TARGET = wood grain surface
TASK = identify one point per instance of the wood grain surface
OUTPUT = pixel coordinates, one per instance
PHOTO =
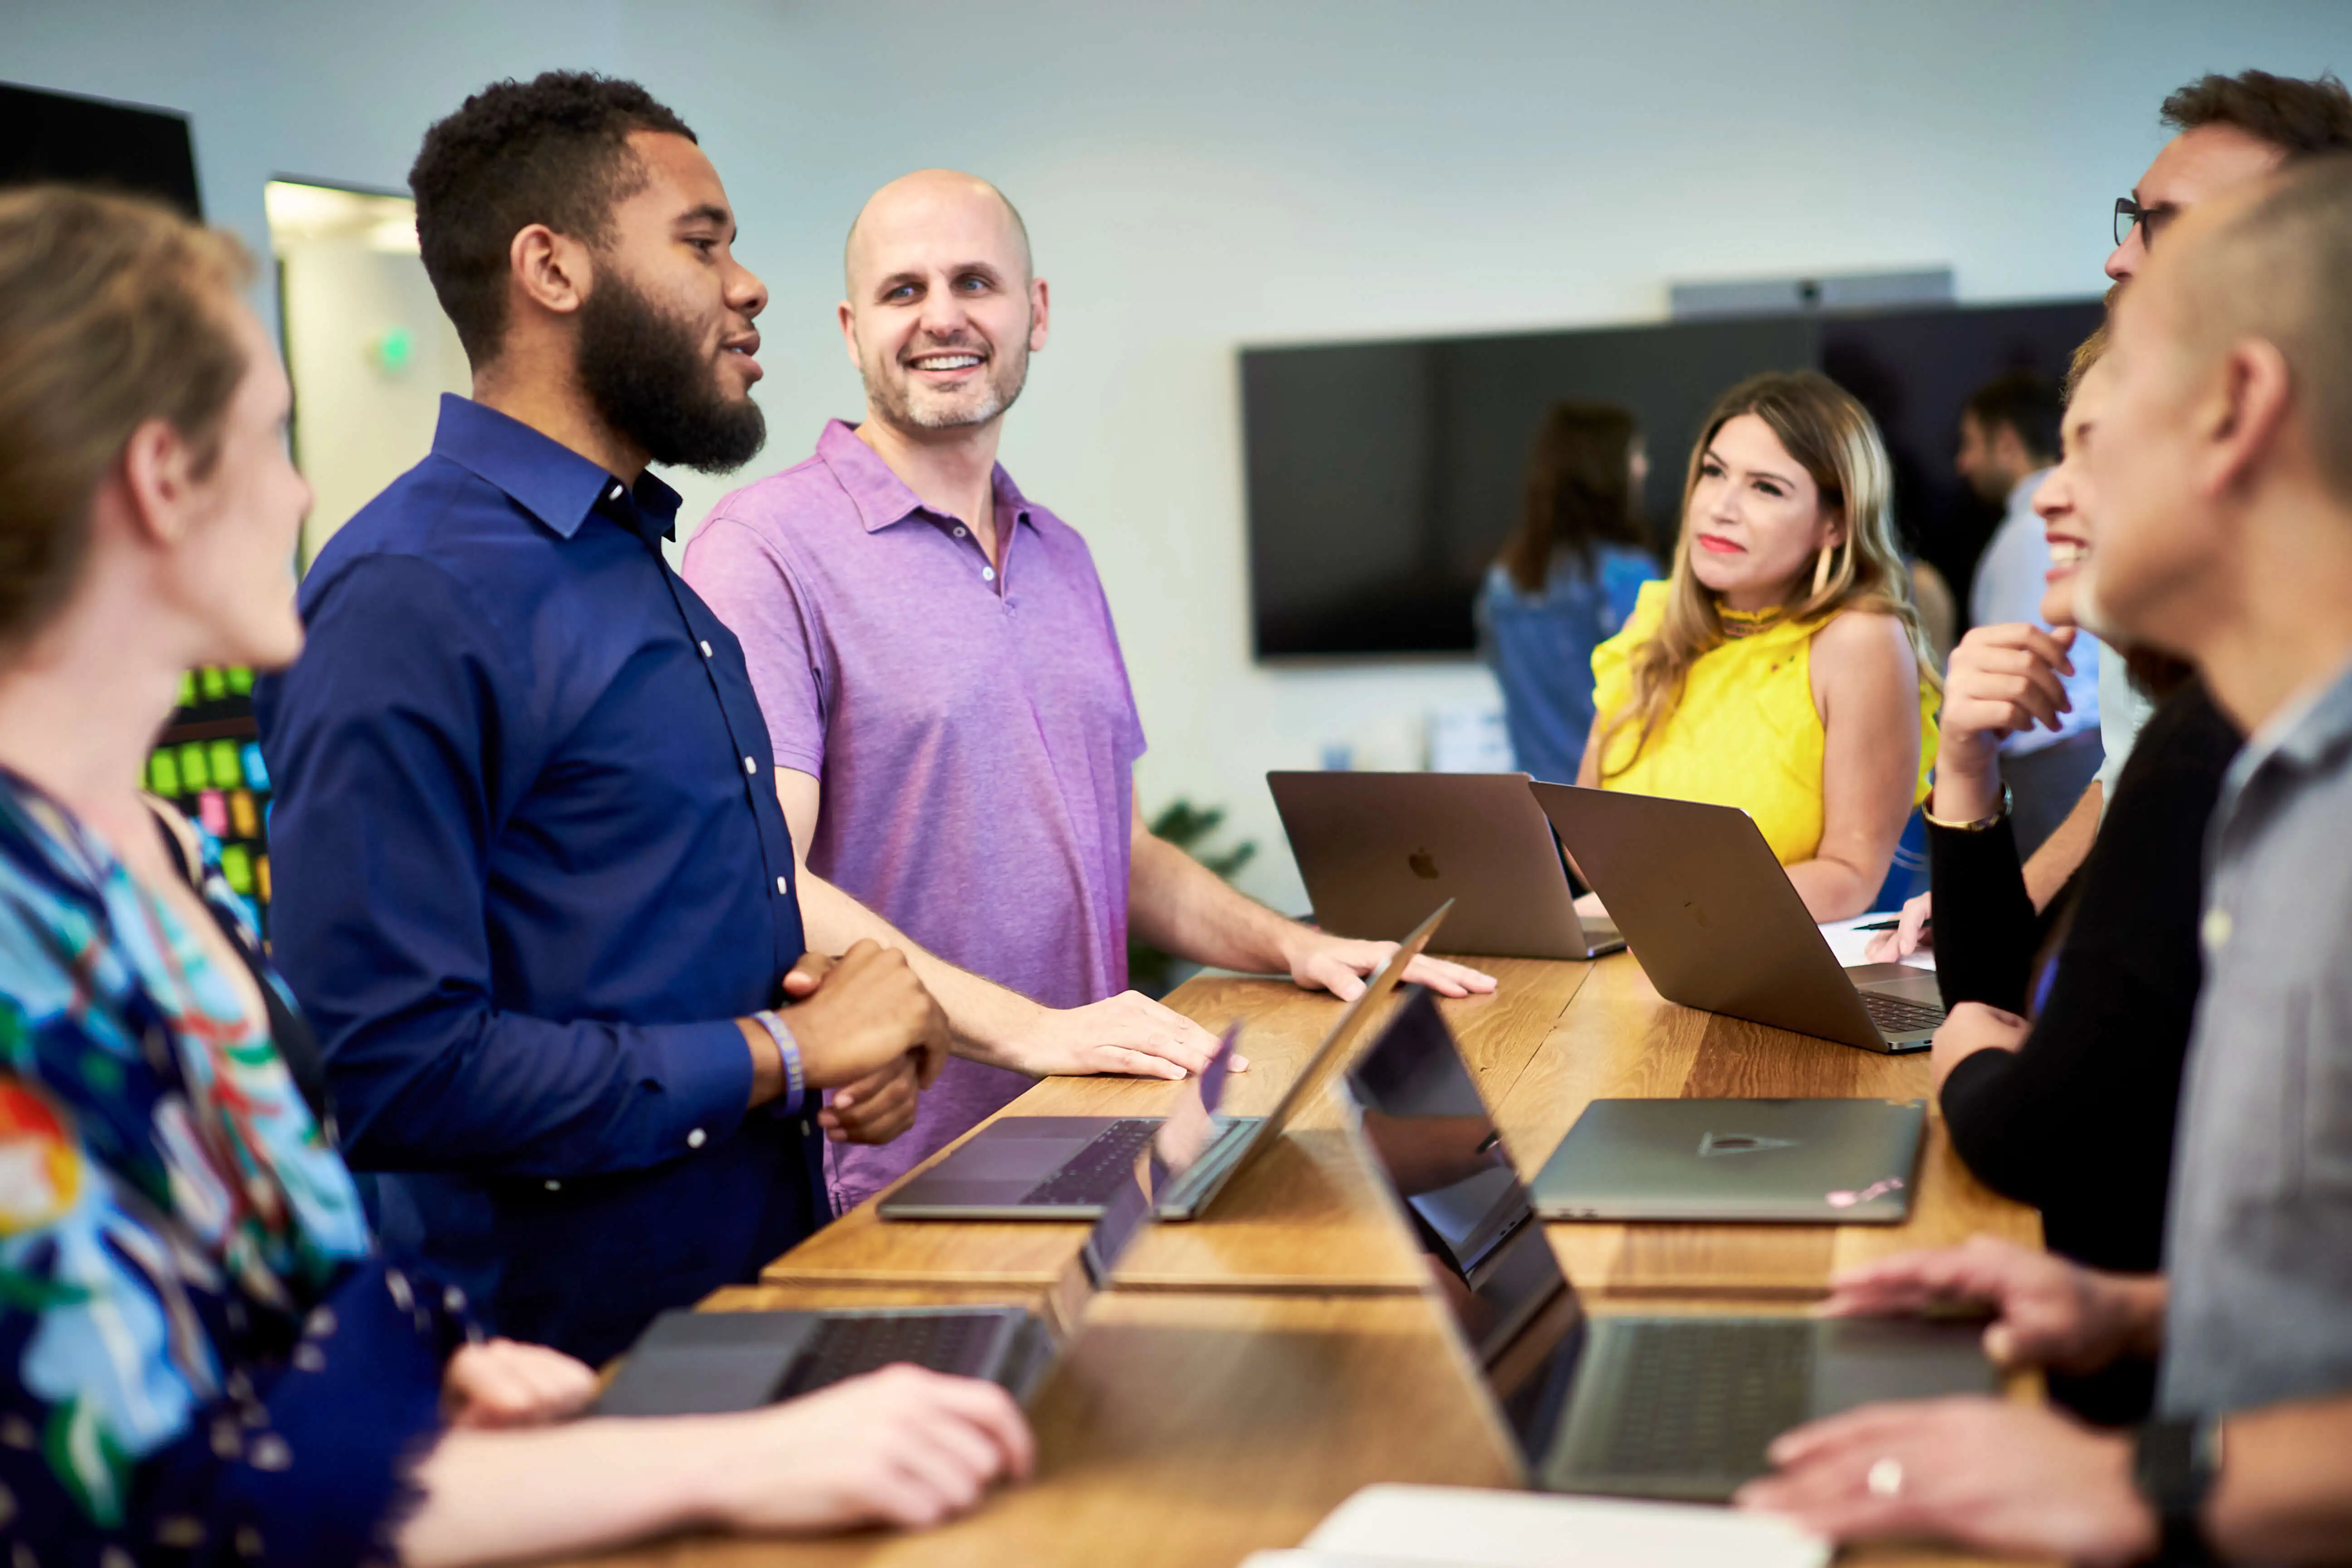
(1250, 1369)
(1303, 1216)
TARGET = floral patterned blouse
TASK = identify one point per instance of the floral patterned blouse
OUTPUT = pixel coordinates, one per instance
(208, 1360)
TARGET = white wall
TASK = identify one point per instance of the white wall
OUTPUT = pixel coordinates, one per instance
(359, 424)
(1226, 172)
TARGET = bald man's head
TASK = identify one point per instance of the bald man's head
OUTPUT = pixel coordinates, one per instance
(2274, 262)
(943, 309)
(922, 200)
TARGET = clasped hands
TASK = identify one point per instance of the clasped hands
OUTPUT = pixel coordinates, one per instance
(1985, 1472)
(869, 1031)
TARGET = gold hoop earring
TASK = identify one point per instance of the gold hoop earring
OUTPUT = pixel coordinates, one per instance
(1821, 569)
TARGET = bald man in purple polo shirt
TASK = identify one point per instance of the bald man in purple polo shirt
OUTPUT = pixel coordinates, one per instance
(955, 739)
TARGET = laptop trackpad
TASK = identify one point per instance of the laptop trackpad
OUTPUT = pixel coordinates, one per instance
(701, 1364)
(1012, 1147)
(1863, 1361)
(1900, 981)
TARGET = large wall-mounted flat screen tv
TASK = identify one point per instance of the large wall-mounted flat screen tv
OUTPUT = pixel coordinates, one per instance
(89, 140)
(1383, 477)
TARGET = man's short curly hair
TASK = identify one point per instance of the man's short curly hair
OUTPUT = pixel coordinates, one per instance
(2301, 118)
(554, 150)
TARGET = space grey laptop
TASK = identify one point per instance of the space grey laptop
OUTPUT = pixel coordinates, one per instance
(1654, 1407)
(1810, 1161)
(1061, 1167)
(698, 1364)
(1716, 924)
(1377, 849)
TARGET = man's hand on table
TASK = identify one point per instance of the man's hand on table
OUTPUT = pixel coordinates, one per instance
(869, 1032)
(2048, 1312)
(1321, 962)
(1128, 1033)
(2014, 1479)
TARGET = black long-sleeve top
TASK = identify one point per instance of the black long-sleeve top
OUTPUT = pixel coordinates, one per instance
(2079, 1121)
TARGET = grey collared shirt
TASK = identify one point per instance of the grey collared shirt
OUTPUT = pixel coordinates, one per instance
(2259, 1242)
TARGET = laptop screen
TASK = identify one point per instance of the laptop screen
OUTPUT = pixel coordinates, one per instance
(1188, 1133)
(1436, 1147)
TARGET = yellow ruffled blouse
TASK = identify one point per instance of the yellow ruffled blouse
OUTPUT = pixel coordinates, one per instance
(1746, 733)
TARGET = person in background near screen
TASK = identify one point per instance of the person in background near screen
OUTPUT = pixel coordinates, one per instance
(1566, 580)
(2222, 530)
(2072, 1112)
(1780, 668)
(532, 879)
(954, 739)
(208, 1358)
(2009, 443)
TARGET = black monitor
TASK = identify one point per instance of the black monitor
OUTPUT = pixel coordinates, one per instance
(1383, 477)
(90, 141)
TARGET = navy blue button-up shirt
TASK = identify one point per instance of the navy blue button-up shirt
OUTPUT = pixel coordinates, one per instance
(529, 868)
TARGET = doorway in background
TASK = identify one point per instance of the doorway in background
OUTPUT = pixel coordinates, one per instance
(367, 348)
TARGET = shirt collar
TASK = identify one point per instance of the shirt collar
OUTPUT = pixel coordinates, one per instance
(544, 475)
(880, 496)
(2021, 494)
(2313, 728)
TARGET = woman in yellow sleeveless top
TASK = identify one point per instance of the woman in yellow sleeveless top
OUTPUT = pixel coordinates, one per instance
(1780, 667)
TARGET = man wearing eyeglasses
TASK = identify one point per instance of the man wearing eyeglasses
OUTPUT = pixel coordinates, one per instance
(2232, 130)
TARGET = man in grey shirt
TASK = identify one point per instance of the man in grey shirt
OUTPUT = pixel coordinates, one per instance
(2219, 485)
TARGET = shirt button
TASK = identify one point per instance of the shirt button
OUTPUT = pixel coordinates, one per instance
(782, 885)
(706, 649)
(804, 1127)
(958, 530)
(555, 1186)
(751, 768)
(2216, 929)
(988, 574)
(615, 493)
(696, 1139)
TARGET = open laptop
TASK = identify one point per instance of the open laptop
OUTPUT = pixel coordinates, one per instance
(696, 1363)
(1810, 1161)
(1639, 1407)
(1375, 849)
(1718, 925)
(1063, 1167)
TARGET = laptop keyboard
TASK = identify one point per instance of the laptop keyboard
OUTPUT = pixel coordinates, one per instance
(1094, 1170)
(1895, 1016)
(846, 1347)
(1704, 1399)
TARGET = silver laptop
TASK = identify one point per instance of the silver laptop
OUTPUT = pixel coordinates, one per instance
(1718, 925)
(699, 1363)
(1062, 1167)
(1812, 1162)
(1376, 849)
(1640, 1406)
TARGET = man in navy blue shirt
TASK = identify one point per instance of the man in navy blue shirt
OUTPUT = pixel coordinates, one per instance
(532, 883)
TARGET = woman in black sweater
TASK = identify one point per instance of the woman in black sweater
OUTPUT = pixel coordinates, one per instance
(2058, 1070)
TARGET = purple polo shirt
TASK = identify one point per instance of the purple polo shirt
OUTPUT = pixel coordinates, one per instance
(972, 730)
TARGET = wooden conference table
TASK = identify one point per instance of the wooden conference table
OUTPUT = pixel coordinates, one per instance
(1249, 1370)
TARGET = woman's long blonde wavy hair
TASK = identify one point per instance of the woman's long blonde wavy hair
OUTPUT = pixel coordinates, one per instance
(1838, 443)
